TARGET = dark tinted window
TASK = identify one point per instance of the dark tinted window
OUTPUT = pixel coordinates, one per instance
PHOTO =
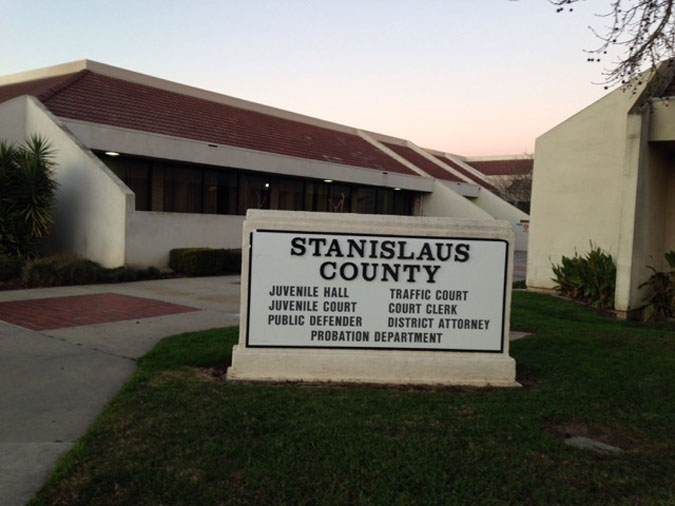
(254, 192)
(182, 189)
(220, 192)
(135, 173)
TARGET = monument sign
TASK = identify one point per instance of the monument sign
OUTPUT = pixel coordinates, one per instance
(361, 298)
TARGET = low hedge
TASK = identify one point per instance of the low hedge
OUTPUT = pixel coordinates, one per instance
(232, 262)
(61, 270)
(124, 274)
(205, 261)
(67, 270)
(10, 267)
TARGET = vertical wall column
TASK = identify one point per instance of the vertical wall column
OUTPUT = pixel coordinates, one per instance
(634, 232)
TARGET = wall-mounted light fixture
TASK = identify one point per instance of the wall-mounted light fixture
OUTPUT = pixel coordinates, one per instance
(327, 180)
(112, 153)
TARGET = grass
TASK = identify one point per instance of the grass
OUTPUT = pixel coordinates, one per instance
(178, 434)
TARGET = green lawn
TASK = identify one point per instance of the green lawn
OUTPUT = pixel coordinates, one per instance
(178, 435)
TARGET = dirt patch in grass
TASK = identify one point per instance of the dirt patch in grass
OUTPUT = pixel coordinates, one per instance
(215, 374)
(619, 437)
(163, 378)
(526, 377)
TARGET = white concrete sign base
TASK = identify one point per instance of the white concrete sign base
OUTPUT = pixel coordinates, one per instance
(374, 299)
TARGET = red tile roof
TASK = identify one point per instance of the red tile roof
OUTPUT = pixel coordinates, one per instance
(41, 88)
(513, 167)
(466, 173)
(422, 162)
(96, 98)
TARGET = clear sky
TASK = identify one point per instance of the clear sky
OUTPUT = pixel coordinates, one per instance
(472, 77)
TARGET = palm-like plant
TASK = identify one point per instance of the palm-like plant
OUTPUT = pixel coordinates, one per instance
(27, 195)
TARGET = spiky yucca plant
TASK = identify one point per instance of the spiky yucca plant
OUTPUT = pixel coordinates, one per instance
(27, 195)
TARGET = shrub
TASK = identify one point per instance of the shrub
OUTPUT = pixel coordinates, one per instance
(78, 271)
(519, 285)
(232, 261)
(151, 273)
(121, 274)
(72, 270)
(40, 273)
(125, 274)
(62, 270)
(590, 278)
(204, 261)
(10, 267)
(207, 262)
(177, 258)
(661, 302)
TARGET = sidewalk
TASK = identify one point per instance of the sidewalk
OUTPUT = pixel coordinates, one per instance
(70, 349)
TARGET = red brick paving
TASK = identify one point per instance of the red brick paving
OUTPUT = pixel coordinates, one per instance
(78, 310)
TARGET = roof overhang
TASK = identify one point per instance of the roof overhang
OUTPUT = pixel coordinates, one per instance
(134, 142)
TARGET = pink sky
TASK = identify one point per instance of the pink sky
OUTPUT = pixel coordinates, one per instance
(472, 78)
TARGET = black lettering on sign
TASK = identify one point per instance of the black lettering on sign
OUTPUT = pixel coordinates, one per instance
(462, 252)
(298, 246)
(327, 267)
(317, 242)
(388, 250)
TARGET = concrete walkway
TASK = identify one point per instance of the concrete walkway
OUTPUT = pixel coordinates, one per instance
(55, 381)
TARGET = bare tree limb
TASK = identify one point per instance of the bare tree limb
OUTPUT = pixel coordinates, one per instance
(642, 30)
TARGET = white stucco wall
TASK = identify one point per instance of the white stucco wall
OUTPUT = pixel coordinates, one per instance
(662, 125)
(13, 120)
(444, 202)
(91, 201)
(151, 235)
(577, 186)
(501, 210)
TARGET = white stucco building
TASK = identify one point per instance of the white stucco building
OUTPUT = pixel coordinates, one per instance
(607, 175)
(145, 165)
